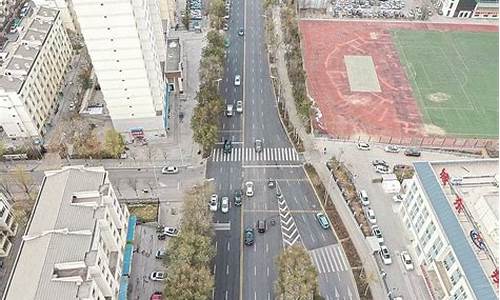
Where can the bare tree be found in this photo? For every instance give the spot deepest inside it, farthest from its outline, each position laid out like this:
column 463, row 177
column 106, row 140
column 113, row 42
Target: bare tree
column 132, row 182
column 24, row 180
column 5, row 187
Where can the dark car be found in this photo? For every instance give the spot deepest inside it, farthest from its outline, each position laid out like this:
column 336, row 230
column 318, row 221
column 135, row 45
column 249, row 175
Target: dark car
column 261, row 226
column 228, row 146
column 249, row 236
column 413, row 152
column 258, row 146
column 237, row 198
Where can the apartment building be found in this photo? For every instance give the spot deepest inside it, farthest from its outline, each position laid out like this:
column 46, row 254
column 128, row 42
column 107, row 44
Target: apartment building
column 32, row 66
column 450, row 212
column 65, row 7
column 75, row 239
column 8, row 226
column 126, row 44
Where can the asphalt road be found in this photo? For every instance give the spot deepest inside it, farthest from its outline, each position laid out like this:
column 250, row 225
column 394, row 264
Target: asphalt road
column 249, row 272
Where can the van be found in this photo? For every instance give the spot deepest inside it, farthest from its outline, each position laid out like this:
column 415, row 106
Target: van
column 229, row 110
column 363, row 196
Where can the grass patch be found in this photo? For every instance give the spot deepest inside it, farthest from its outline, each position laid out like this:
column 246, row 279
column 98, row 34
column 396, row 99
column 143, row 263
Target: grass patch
column 146, row 212
column 454, row 77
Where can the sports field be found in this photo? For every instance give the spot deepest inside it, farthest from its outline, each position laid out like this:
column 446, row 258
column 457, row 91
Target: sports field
column 454, row 78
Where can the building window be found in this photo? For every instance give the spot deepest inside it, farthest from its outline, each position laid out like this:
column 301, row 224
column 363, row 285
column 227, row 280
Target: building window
column 455, row 276
column 449, row 261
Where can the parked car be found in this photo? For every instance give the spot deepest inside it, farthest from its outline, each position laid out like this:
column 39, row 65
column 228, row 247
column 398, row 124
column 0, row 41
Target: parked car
column 237, row 80
column 323, row 220
column 363, row 146
column 249, row 189
column 239, row 106
column 384, row 254
column 249, row 236
column 237, row 198
column 214, row 203
column 363, row 196
column 413, row 152
column 370, row 215
column 258, row 145
column 158, row 276
column 397, row 198
column 406, row 259
column 378, row 233
column 170, row 231
column 380, row 162
column 391, row 149
column 156, row 296
column 241, row 32
column 170, row 170
column 381, row 169
column 160, row 254
column 224, row 206
column 261, row 226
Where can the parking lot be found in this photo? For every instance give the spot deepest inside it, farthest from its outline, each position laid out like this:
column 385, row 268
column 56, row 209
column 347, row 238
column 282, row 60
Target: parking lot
column 409, row 284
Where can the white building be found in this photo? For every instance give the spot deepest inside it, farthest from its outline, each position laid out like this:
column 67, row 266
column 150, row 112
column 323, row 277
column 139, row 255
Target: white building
column 65, row 8
column 31, row 72
column 457, row 251
column 126, row 44
column 8, row 226
column 74, row 243
column 483, row 9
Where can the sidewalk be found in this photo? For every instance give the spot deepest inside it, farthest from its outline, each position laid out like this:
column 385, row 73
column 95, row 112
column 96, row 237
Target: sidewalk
column 313, row 156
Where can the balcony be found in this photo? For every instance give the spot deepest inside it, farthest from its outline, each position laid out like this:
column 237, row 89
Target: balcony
column 5, row 245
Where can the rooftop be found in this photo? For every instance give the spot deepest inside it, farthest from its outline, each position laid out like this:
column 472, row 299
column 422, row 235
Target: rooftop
column 173, row 55
column 58, row 238
column 476, row 182
column 20, row 58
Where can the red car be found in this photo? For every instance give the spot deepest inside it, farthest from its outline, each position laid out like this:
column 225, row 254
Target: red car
column 156, row 296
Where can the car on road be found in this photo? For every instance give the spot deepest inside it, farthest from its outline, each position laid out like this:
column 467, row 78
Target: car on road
column 160, row 254
column 227, row 43
column 378, row 234
column 363, row 197
column 392, row 149
column 158, row 276
column 397, row 198
column 363, row 146
column 224, row 206
column 214, row 203
column 379, row 162
column 384, row 255
column 237, row 80
column 170, row 170
column 323, row 220
column 381, row 169
column 241, row 32
column 237, row 198
column 413, row 152
column 406, row 259
column 156, row 296
column 370, row 215
column 229, row 110
column 249, row 189
column 261, row 226
column 228, row 146
column 258, row 145
column 225, row 27
column 170, row 231
column 249, row 236
column 239, row 106
column 226, row 17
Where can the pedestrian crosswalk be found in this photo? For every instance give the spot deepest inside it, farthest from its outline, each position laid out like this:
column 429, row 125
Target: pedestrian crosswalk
column 249, row 154
column 329, row 259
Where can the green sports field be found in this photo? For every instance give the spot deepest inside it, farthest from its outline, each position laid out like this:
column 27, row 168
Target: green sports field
column 454, row 77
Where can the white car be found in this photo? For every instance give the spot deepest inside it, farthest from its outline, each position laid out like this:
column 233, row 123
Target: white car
column 170, row 231
column 237, row 80
column 169, row 170
column 370, row 214
column 239, row 106
column 224, row 205
column 363, row 146
column 363, row 196
column 377, row 233
column 398, row 198
column 158, row 276
column 214, row 203
column 382, row 169
column 392, row 149
column 406, row 259
column 249, row 189
column 384, row 254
